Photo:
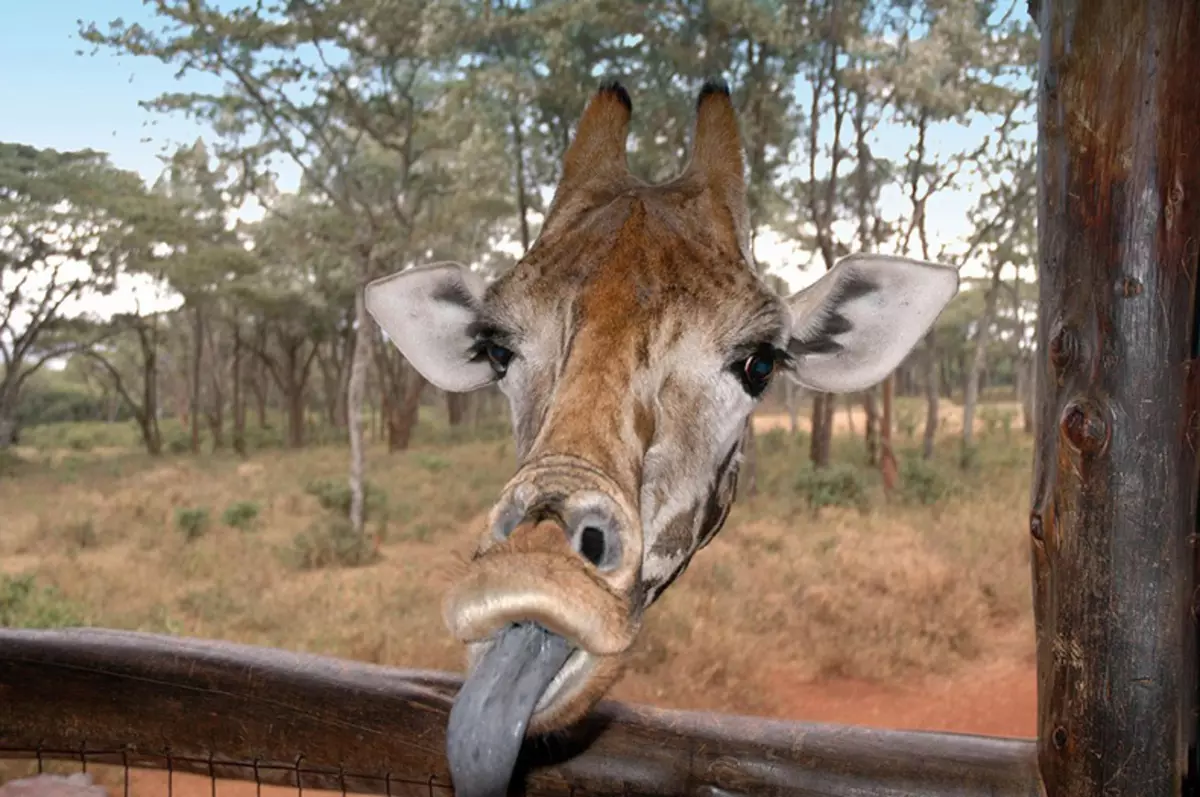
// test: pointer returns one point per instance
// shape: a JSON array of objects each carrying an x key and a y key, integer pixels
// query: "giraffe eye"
[
  {"x": 757, "y": 369},
  {"x": 498, "y": 356}
]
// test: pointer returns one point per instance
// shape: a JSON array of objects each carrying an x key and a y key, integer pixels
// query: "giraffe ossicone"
[{"x": 633, "y": 341}]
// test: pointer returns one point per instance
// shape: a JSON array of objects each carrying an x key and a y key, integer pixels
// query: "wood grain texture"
[
  {"x": 1114, "y": 487},
  {"x": 218, "y": 707}
]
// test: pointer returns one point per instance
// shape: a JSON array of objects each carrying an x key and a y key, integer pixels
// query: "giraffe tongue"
[{"x": 490, "y": 713}]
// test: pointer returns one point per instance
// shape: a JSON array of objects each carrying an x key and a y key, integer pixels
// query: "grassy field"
[
  {"x": 816, "y": 577},
  {"x": 817, "y": 591}
]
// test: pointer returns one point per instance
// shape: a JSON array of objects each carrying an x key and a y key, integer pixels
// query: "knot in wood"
[
  {"x": 1084, "y": 426},
  {"x": 1035, "y": 527},
  {"x": 1129, "y": 287},
  {"x": 1059, "y": 737},
  {"x": 1064, "y": 347}
]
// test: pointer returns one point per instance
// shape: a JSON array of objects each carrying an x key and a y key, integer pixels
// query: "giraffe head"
[{"x": 632, "y": 341}]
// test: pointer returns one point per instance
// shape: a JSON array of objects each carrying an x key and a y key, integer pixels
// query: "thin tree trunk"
[
  {"x": 871, "y": 408},
  {"x": 1027, "y": 390},
  {"x": 354, "y": 403},
  {"x": 932, "y": 394},
  {"x": 522, "y": 199},
  {"x": 456, "y": 408},
  {"x": 818, "y": 445},
  {"x": 401, "y": 416},
  {"x": 295, "y": 400},
  {"x": 887, "y": 457},
  {"x": 789, "y": 400},
  {"x": 151, "y": 434},
  {"x": 239, "y": 401},
  {"x": 194, "y": 398},
  {"x": 978, "y": 361}
]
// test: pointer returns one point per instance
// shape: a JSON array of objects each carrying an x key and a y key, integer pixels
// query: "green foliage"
[
  {"x": 922, "y": 482},
  {"x": 839, "y": 484},
  {"x": 331, "y": 542},
  {"x": 334, "y": 495},
  {"x": 81, "y": 436},
  {"x": 240, "y": 515},
  {"x": 996, "y": 419},
  {"x": 192, "y": 521},
  {"x": 23, "y": 604},
  {"x": 432, "y": 462}
]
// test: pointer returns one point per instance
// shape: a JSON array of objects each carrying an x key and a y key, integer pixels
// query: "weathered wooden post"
[{"x": 1114, "y": 486}]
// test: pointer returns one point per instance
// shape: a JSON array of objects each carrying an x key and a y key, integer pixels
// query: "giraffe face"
[{"x": 633, "y": 341}]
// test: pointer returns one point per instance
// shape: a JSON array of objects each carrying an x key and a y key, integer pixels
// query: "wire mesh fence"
[
  {"x": 141, "y": 774},
  {"x": 163, "y": 774}
]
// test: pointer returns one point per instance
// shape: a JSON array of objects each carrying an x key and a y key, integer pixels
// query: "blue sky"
[{"x": 54, "y": 97}]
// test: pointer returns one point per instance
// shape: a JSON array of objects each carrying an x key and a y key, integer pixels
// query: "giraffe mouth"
[{"x": 491, "y": 713}]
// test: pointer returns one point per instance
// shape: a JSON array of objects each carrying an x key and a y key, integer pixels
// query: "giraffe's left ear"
[
  {"x": 429, "y": 313},
  {"x": 857, "y": 323}
]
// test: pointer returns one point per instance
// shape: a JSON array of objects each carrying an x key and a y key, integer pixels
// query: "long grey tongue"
[{"x": 490, "y": 713}]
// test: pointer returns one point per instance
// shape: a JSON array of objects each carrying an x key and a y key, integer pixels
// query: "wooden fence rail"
[{"x": 242, "y": 712}]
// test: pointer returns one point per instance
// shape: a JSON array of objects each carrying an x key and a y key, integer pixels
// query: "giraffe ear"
[
  {"x": 857, "y": 323},
  {"x": 429, "y": 313}
]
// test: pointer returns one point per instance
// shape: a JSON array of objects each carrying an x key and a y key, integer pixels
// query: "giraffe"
[{"x": 632, "y": 341}]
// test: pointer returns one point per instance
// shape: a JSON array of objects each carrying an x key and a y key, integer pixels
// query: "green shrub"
[
  {"x": 995, "y": 419},
  {"x": 240, "y": 515},
  {"x": 24, "y": 605},
  {"x": 922, "y": 483},
  {"x": 331, "y": 543},
  {"x": 334, "y": 495},
  {"x": 431, "y": 462},
  {"x": 838, "y": 484},
  {"x": 775, "y": 441},
  {"x": 192, "y": 521}
]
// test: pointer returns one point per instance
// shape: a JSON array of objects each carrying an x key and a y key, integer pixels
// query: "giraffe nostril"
[{"x": 595, "y": 538}]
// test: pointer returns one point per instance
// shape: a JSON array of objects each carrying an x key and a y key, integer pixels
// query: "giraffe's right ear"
[{"x": 429, "y": 312}]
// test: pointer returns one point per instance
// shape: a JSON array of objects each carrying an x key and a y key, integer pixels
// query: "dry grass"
[{"x": 899, "y": 590}]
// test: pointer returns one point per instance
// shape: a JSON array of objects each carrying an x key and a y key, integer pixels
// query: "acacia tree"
[
  {"x": 67, "y": 222},
  {"x": 312, "y": 82}
]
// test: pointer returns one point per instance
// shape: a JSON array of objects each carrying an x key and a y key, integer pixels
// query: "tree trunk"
[
  {"x": 402, "y": 413},
  {"x": 148, "y": 421},
  {"x": 871, "y": 409},
  {"x": 261, "y": 388},
  {"x": 239, "y": 401},
  {"x": 1026, "y": 391},
  {"x": 522, "y": 199},
  {"x": 887, "y": 457},
  {"x": 354, "y": 404},
  {"x": 978, "y": 361},
  {"x": 932, "y": 394},
  {"x": 295, "y": 407},
  {"x": 194, "y": 397},
  {"x": 789, "y": 400},
  {"x": 1114, "y": 498},
  {"x": 456, "y": 408},
  {"x": 819, "y": 443},
  {"x": 8, "y": 428}
]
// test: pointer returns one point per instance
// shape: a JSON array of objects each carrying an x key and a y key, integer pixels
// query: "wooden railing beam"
[{"x": 218, "y": 707}]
